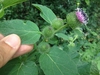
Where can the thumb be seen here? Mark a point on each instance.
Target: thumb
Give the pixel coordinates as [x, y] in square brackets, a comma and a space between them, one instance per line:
[8, 47]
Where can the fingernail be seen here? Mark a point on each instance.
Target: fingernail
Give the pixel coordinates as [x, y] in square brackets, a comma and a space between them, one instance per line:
[12, 40]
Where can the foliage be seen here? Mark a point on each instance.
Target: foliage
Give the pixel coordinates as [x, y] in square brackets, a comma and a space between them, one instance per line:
[61, 48]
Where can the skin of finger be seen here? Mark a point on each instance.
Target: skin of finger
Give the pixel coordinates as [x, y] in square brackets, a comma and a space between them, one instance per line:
[23, 50]
[1, 36]
[5, 53]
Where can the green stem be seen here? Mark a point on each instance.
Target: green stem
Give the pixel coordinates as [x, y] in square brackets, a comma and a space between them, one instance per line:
[40, 33]
[64, 26]
[93, 33]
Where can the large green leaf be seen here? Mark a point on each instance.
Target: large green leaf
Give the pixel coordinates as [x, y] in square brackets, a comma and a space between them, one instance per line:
[46, 13]
[27, 30]
[84, 68]
[8, 3]
[16, 67]
[57, 62]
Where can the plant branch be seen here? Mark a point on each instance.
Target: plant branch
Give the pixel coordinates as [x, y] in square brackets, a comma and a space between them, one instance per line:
[64, 26]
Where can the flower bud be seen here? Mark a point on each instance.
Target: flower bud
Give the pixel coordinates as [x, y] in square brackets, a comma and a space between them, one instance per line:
[43, 47]
[72, 20]
[57, 23]
[48, 32]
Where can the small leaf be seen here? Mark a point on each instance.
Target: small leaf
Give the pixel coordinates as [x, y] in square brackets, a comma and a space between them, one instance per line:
[8, 3]
[63, 36]
[57, 62]
[15, 67]
[98, 65]
[46, 13]
[87, 2]
[28, 31]
[1, 12]
[79, 32]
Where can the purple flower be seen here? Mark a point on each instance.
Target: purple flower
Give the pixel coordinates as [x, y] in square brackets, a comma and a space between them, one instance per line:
[82, 16]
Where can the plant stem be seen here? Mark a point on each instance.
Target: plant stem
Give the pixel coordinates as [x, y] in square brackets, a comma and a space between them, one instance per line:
[40, 33]
[64, 26]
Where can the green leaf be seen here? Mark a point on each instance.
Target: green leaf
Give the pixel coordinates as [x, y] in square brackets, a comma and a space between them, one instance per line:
[98, 65]
[15, 67]
[84, 68]
[73, 54]
[94, 69]
[63, 36]
[46, 13]
[8, 3]
[79, 32]
[27, 30]
[57, 62]
[1, 12]
[87, 2]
